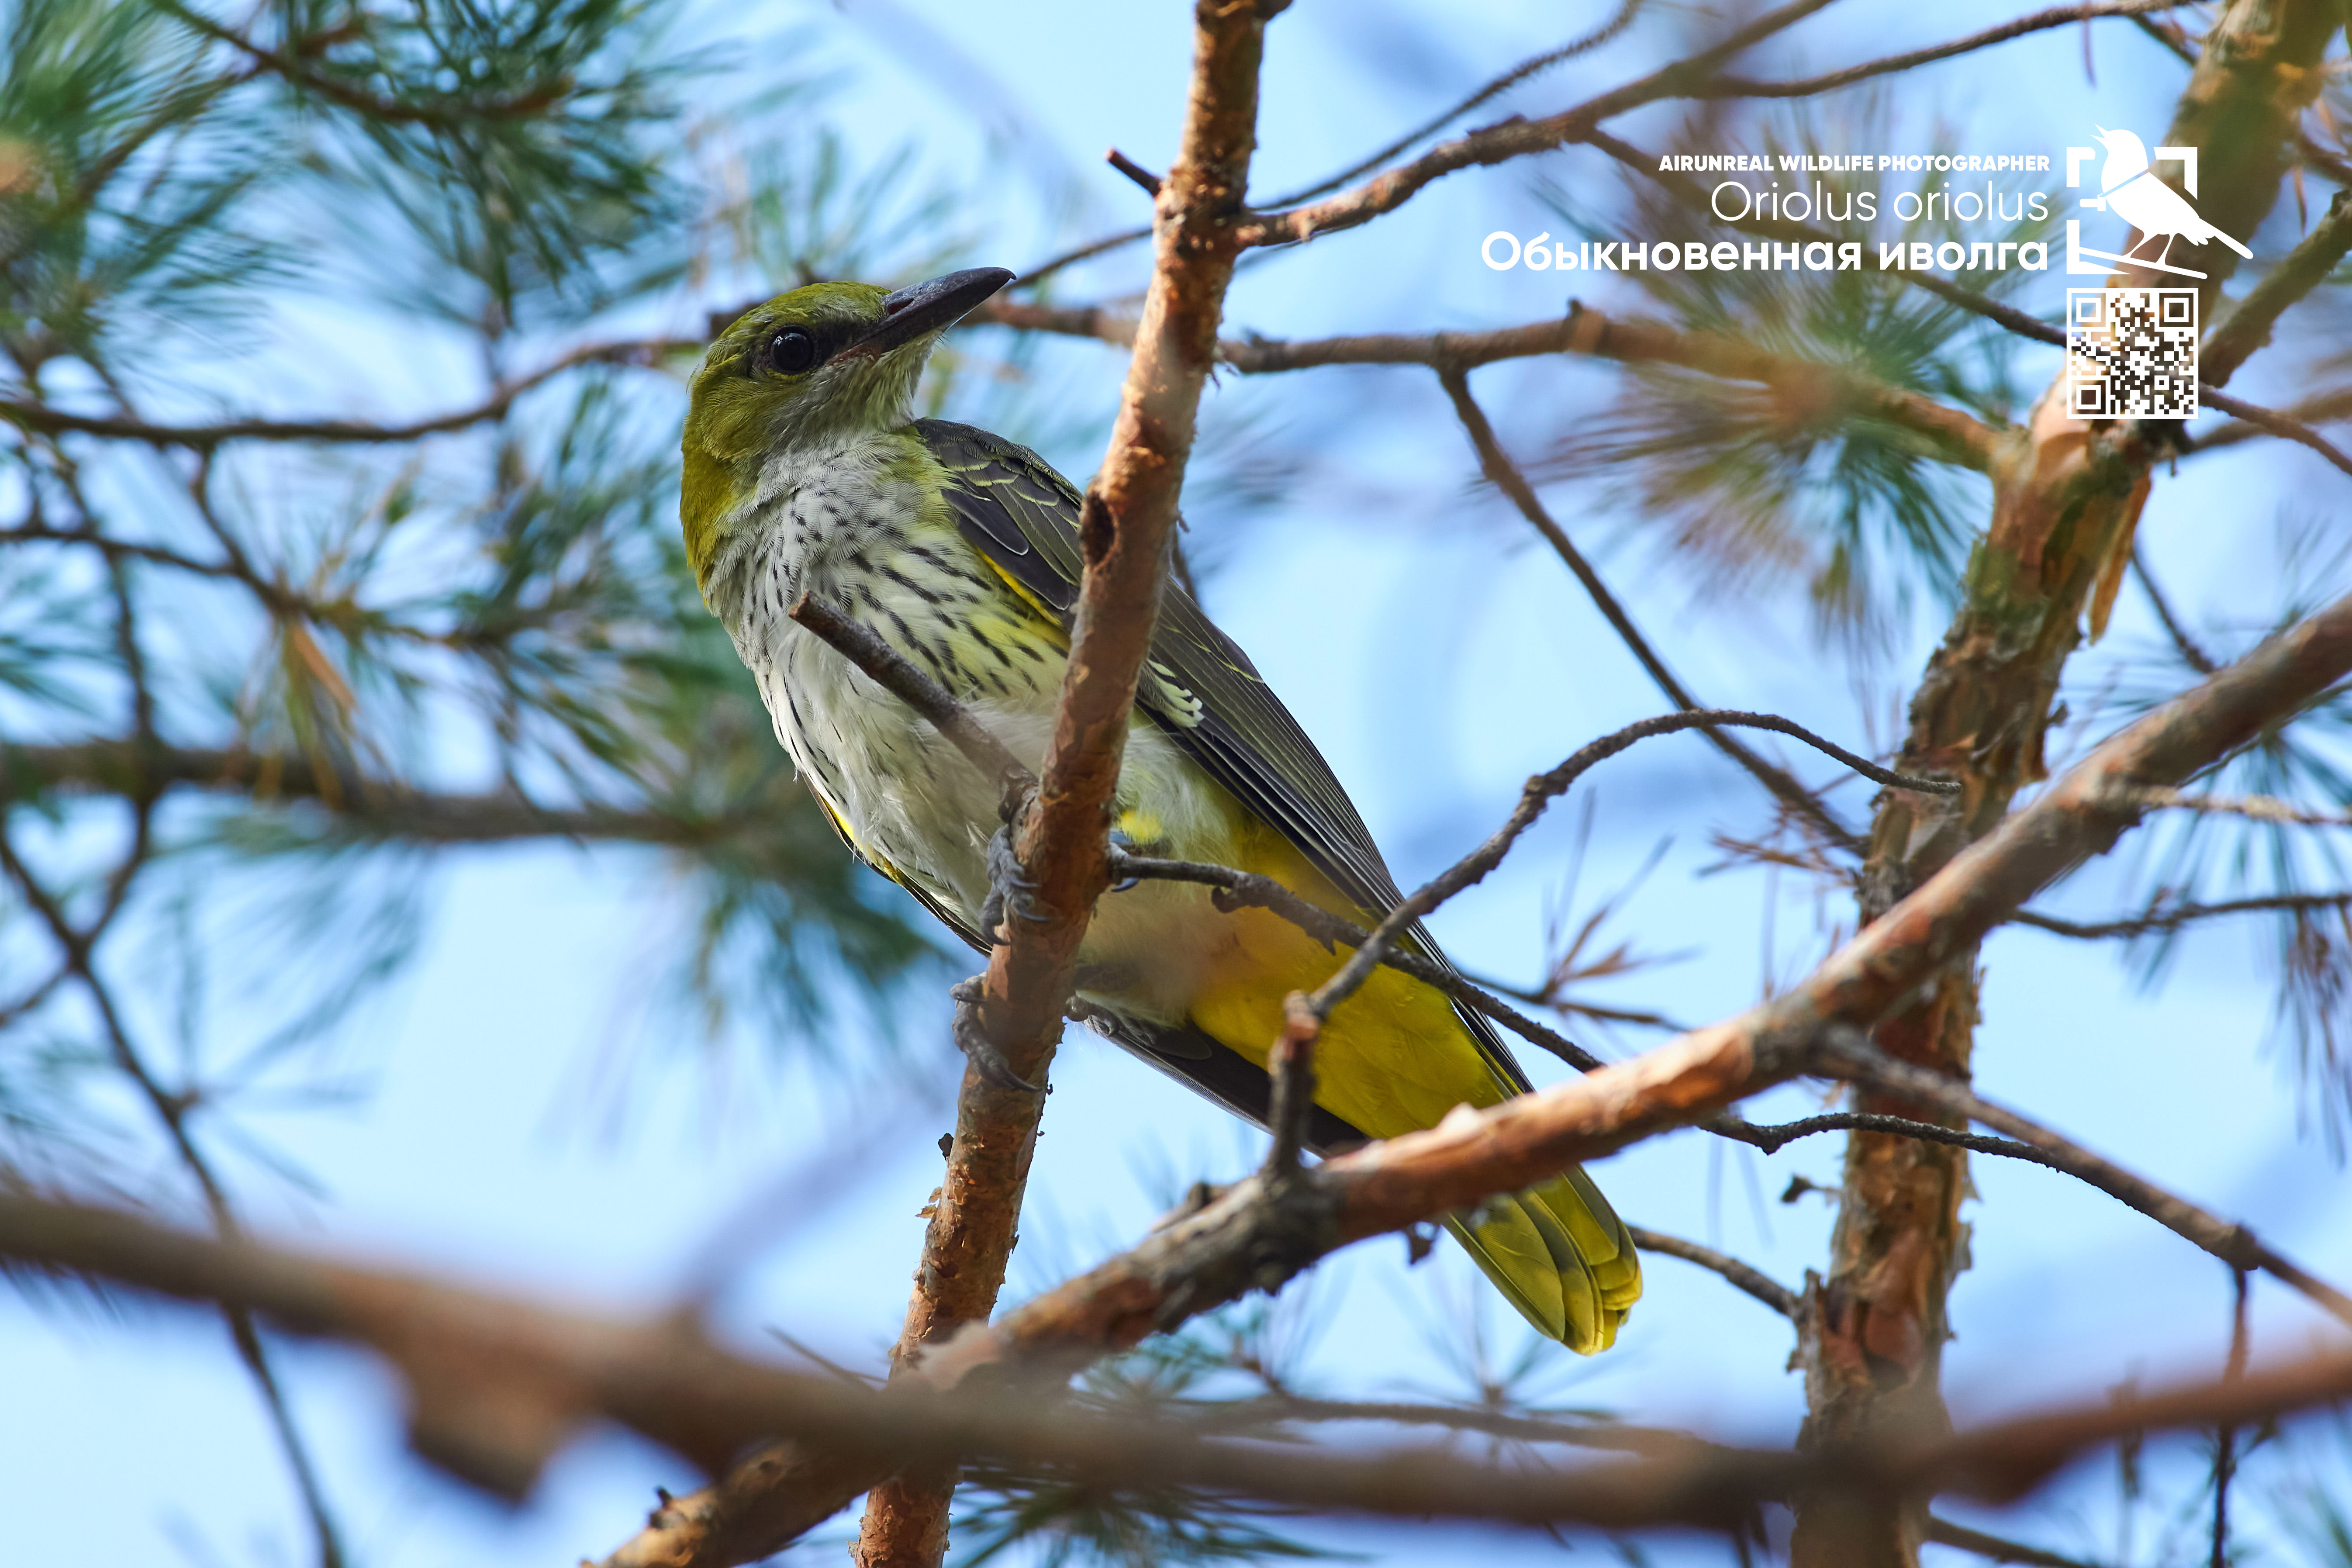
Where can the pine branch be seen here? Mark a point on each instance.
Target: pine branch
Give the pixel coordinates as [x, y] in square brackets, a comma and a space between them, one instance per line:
[1835, 391]
[898, 674]
[1514, 138]
[1774, 1138]
[2261, 808]
[1061, 840]
[2245, 326]
[2322, 408]
[1617, 24]
[1832, 390]
[443, 112]
[496, 1384]
[40, 417]
[2179, 915]
[2270, 422]
[363, 804]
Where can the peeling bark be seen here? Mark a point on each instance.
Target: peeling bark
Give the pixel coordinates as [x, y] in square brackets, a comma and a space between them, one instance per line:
[2068, 495]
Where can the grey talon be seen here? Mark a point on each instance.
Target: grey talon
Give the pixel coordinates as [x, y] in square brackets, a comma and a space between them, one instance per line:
[1121, 847]
[1009, 886]
[974, 1043]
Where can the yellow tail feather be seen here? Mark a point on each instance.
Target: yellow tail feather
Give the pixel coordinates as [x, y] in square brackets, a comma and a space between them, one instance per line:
[1559, 1254]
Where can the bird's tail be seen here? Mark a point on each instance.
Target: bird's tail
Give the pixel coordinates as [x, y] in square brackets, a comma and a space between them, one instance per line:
[1559, 1254]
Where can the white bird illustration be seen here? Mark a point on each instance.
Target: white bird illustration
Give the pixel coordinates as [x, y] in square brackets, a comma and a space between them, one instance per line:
[2147, 202]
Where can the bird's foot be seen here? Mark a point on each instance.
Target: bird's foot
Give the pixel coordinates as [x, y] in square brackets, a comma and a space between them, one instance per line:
[1122, 847]
[1010, 890]
[973, 1042]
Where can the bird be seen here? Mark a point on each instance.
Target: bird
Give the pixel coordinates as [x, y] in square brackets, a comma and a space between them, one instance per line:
[2133, 193]
[805, 472]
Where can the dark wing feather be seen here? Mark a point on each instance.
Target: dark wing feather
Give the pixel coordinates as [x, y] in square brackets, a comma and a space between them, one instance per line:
[1012, 506]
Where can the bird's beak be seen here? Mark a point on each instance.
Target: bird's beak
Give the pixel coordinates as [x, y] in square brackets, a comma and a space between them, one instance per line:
[932, 307]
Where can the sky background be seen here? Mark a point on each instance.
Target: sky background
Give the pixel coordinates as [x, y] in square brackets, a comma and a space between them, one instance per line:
[535, 1122]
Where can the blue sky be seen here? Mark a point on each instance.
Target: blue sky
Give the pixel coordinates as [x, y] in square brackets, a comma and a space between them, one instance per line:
[517, 1135]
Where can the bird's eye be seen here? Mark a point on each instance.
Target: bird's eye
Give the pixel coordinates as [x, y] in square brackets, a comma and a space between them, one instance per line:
[792, 352]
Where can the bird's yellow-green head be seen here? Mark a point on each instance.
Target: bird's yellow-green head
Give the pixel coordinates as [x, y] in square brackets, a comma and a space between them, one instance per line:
[807, 370]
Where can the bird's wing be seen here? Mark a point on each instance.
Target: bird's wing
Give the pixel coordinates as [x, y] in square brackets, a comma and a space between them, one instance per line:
[1199, 686]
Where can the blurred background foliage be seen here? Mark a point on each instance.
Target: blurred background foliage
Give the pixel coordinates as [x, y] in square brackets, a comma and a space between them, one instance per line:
[344, 346]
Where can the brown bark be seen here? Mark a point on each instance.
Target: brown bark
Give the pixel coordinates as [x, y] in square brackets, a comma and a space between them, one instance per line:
[497, 1383]
[1062, 839]
[2067, 495]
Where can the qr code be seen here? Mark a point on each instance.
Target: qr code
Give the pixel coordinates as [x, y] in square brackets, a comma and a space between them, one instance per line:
[2131, 353]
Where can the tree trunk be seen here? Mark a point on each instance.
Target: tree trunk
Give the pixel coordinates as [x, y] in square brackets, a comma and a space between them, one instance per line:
[2066, 496]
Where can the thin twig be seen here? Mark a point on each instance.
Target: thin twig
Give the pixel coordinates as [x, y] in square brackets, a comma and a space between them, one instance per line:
[1993, 1548]
[2195, 658]
[1282, 1407]
[2039, 21]
[1238, 889]
[2260, 808]
[41, 417]
[2320, 408]
[1507, 476]
[1290, 1109]
[1133, 171]
[2225, 1439]
[1850, 1053]
[2178, 915]
[1086, 252]
[1746, 1276]
[864, 647]
[1778, 1136]
[1514, 138]
[2246, 325]
[1958, 437]
[1539, 793]
[1511, 79]
[363, 804]
[2272, 422]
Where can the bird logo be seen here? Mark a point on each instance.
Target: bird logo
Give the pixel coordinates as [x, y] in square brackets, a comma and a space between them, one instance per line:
[2128, 188]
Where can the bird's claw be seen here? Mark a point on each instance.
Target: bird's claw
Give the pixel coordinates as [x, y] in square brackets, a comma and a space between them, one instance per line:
[1121, 847]
[1009, 887]
[973, 1040]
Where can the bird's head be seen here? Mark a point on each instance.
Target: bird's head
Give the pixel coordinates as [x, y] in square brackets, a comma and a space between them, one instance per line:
[808, 369]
